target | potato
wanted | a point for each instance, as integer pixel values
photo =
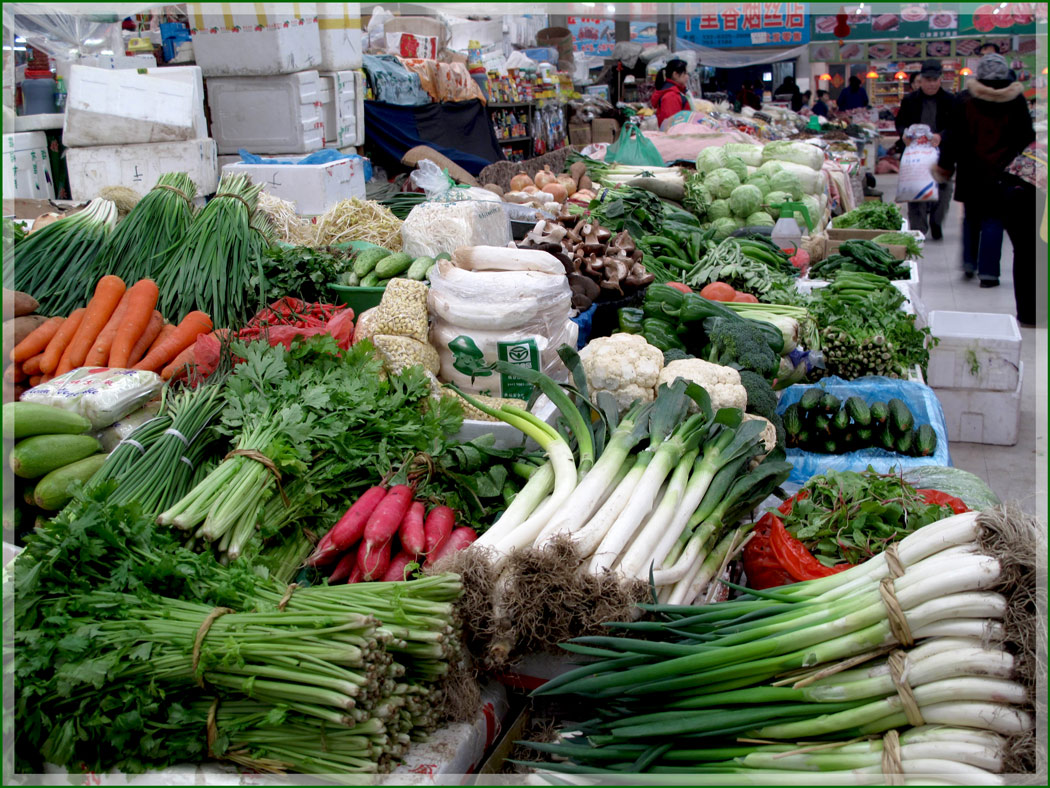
(23, 304)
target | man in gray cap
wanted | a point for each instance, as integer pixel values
(990, 125)
(929, 105)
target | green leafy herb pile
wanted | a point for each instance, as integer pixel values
(871, 216)
(849, 516)
(906, 240)
(302, 272)
(860, 256)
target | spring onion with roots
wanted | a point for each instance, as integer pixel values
(940, 631)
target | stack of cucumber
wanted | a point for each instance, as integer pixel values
(820, 422)
(51, 453)
(376, 266)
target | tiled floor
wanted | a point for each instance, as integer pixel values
(1015, 473)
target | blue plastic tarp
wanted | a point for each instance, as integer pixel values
(322, 156)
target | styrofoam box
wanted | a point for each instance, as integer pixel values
(271, 38)
(977, 350)
(314, 188)
(343, 108)
(121, 107)
(277, 114)
(27, 169)
(340, 30)
(139, 166)
(982, 416)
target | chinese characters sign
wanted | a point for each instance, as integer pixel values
(727, 25)
(592, 35)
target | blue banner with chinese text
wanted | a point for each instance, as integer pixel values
(732, 25)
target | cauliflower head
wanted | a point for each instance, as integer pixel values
(769, 439)
(625, 366)
(722, 384)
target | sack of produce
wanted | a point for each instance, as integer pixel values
(916, 183)
(101, 395)
(500, 304)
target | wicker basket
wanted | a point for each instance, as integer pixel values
(501, 172)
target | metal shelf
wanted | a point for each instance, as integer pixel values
(509, 105)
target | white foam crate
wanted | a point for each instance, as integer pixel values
(27, 168)
(265, 115)
(977, 350)
(139, 166)
(343, 108)
(982, 416)
(254, 39)
(124, 107)
(312, 188)
(339, 25)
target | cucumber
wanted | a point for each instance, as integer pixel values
(901, 420)
(925, 440)
(864, 435)
(810, 399)
(887, 439)
(879, 413)
(792, 421)
(443, 256)
(830, 403)
(367, 260)
(840, 421)
(418, 269)
(349, 279)
(905, 442)
(56, 489)
(822, 422)
(22, 419)
(858, 411)
(371, 279)
(394, 265)
(39, 455)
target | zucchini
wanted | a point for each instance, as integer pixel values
(830, 403)
(368, 259)
(858, 411)
(810, 399)
(56, 489)
(925, 440)
(394, 265)
(41, 454)
(22, 419)
(419, 268)
(792, 421)
(901, 420)
(879, 413)
(905, 442)
(371, 279)
(28, 494)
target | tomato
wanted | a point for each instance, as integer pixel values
(745, 298)
(718, 291)
(679, 286)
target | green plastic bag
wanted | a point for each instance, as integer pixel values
(633, 148)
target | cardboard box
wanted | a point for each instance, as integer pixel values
(261, 39)
(579, 135)
(123, 107)
(339, 25)
(313, 188)
(139, 166)
(604, 130)
(275, 114)
(27, 169)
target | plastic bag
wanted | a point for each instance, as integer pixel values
(633, 148)
(439, 187)
(916, 183)
(376, 38)
(967, 487)
(323, 156)
(102, 396)
(435, 227)
(921, 401)
(116, 432)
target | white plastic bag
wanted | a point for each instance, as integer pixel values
(102, 396)
(916, 183)
(376, 34)
(438, 187)
(435, 227)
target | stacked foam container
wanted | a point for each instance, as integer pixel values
(127, 127)
(284, 81)
(976, 371)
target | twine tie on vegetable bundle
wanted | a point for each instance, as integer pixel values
(265, 461)
(892, 768)
(899, 668)
(287, 596)
(202, 633)
(894, 614)
(179, 192)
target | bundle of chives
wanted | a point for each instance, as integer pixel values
(159, 221)
(47, 261)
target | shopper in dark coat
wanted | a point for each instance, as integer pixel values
(788, 91)
(989, 127)
(820, 106)
(853, 96)
(930, 105)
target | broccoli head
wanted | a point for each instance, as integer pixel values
(674, 354)
(739, 344)
(762, 401)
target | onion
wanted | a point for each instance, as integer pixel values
(568, 183)
(530, 189)
(556, 190)
(545, 177)
(520, 181)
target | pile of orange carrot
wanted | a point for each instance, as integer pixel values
(120, 327)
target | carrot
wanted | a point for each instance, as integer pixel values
(32, 366)
(437, 530)
(60, 341)
(137, 320)
(14, 373)
(382, 525)
(373, 560)
(165, 331)
(37, 341)
(396, 570)
(187, 358)
(458, 540)
(164, 350)
(99, 353)
(410, 531)
(349, 528)
(108, 292)
(148, 337)
(35, 380)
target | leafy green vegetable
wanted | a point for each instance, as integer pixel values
(738, 166)
(721, 183)
(759, 219)
(697, 196)
(787, 182)
(710, 159)
(871, 216)
(638, 211)
(302, 272)
(745, 200)
(719, 209)
(906, 240)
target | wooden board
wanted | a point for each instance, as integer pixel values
(850, 235)
(899, 252)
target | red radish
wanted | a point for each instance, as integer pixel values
(382, 525)
(356, 575)
(396, 570)
(348, 530)
(343, 568)
(373, 560)
(440, 523)
(458, 540)
(411, 533)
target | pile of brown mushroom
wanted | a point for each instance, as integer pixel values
(600, 265)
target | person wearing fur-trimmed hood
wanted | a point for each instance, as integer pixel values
(989, 127)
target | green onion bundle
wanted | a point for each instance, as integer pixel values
(137, 248)
(211, 270)
(49, 260)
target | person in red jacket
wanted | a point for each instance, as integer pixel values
(670, 96)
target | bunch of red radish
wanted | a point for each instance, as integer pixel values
(385, 531)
